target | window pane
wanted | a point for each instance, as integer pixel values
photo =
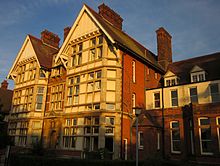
(176, 135)
(206, 133)
(176, 145)
(193, 95)
(204, 121)
(207, 146)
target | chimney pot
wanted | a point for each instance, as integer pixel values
(4, 85)
(66, 32)
(110, 15)
(50, 38)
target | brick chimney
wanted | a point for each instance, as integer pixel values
(50, 38)
(4, 85)
(66, 32)
(164, 47)
(110, 15)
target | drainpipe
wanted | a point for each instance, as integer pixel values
(163, 125)
(122, 104)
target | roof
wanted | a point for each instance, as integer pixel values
(125, 41)
(209, 63)
(44, 52)
(5, 100)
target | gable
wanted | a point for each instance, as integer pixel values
(84, 26)
(169, 74)
(26, 52)
(196, 69)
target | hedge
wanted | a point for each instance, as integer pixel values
(30, 160)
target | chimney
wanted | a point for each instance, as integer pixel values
(4, 85)
(66, 32)
(164, 47)
(50, 38)
(110, 15)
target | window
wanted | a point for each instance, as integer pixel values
(140, 140)
(174, 98)
(205, 136)
(91, 130)
(133, 102)
(73, 90)
(158, 140)
(171, 81)
(57, 96)
(193, 95)
(39, 98)
(76, 58)
(22, 139)
(168, 83)
(218, 131)
(92, 55)
(109, 143)
(214, 89)
(198, 76)
(96, 48)
(109, 128)
(157, 100)
(42, 74)
(70, 133)
(133, 72)
(175, 137)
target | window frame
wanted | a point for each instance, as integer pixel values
(158, 100)
(191, 96)
(171, 137)
(177, 98)
(200, 136)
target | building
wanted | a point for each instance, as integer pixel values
(78, 98)
(5, 107)
(189, 104)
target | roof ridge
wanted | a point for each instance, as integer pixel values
(120, 30)
(197, 57)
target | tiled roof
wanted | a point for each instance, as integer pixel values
(44, 52)
(210, 63)
(5, 100)
(126, 41)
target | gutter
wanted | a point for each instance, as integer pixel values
(150, 63)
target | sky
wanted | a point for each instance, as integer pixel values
(193, 24)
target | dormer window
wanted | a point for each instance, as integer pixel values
(171, 81)
(198, 76)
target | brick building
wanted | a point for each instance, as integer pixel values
(79, 98)
(189, 104)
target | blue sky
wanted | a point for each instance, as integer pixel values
(193, 24)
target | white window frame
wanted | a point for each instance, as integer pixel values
(218, 93)
(139, 140)
(200, 138)
(194, 95)
(171, 103)
(133, 102)
(218, 131)
(133, 71)
(197, 75)
(155, 100)
(171, 138)
(125, 149)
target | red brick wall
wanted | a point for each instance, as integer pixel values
(144, 79)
